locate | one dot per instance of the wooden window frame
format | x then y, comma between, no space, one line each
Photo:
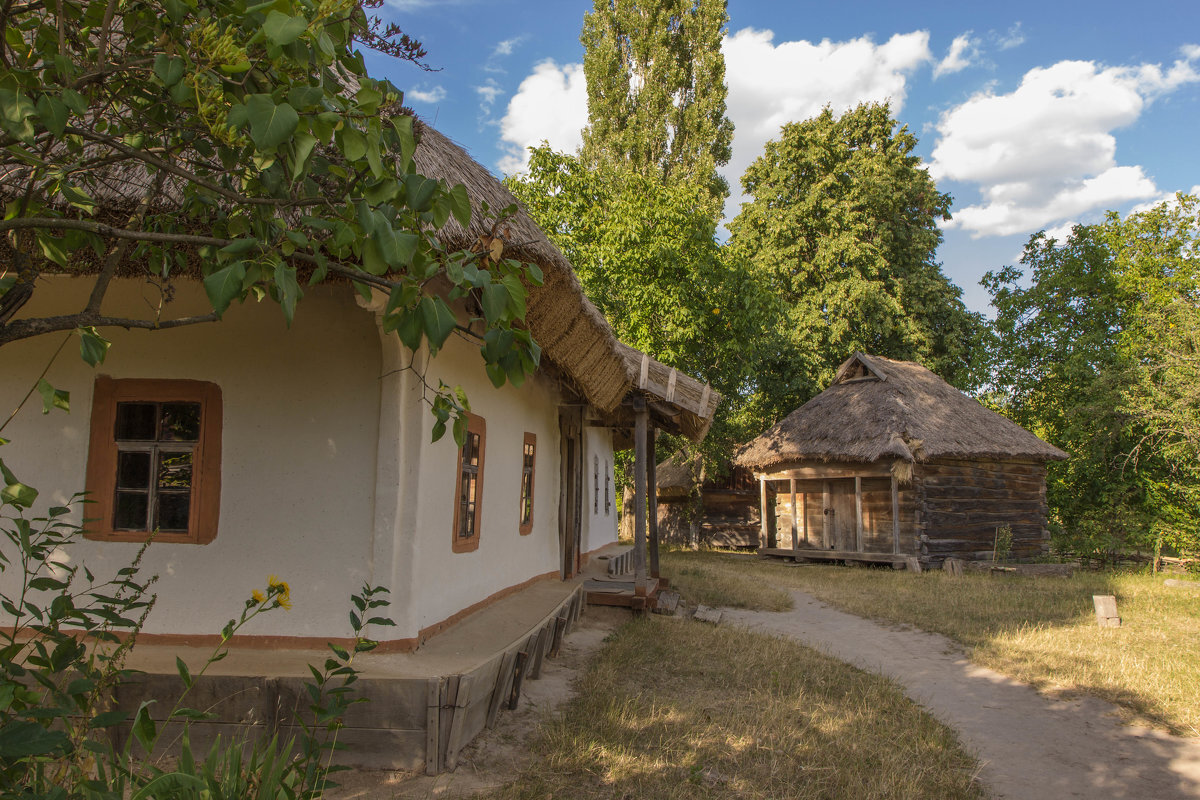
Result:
526,525
205,504
467,544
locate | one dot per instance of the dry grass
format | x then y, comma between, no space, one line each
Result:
702,579
1040,630
676,709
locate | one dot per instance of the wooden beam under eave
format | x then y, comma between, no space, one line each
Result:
895,516
858,526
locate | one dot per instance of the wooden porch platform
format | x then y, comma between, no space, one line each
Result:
815,554
424,706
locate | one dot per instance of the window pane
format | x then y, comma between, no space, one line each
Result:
180,422
175,470
173,509
471,450
133,469
131,510
136,421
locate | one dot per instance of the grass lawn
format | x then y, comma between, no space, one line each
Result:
675,709
1040,630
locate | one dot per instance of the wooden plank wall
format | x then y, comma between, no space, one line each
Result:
963,502
728,518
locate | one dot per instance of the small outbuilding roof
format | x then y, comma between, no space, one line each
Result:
878,408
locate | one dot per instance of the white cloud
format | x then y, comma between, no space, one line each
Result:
506,47
1013,37
962,53
434,95
1045,152
771,84
489,92
550,105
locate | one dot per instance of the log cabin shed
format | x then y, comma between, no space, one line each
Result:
892,462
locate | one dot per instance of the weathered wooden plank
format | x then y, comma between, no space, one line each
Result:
560,629
433,714
820,472
514,695
829,555
458,721
504,680
1106,610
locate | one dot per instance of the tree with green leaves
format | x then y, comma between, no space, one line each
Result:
241,144
1095,350
656,91
841,230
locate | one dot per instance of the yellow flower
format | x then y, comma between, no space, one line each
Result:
281,591
257,596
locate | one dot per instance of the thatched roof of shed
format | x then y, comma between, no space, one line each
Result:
878,408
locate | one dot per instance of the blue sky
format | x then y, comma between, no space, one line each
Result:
1032,115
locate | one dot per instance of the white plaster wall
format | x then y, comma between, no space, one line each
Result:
300,434
444,582
599,525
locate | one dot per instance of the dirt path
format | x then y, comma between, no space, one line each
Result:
1031,746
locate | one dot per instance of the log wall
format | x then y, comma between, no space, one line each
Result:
727,519
962,503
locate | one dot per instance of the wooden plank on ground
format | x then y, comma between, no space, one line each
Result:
560,629
433,711
539,652
504,679
462,701
514,695
707,614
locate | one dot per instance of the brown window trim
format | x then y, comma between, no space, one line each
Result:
530,440
102,456
460,544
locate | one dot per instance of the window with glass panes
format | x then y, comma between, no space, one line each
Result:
154,460
528,453
469,488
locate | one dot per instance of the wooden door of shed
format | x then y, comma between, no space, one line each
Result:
840,520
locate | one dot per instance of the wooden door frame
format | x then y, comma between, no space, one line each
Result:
570,494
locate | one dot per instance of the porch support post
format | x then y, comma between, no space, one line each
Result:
858,513
652,496
762,522
804,516
795,527
895,516
639,494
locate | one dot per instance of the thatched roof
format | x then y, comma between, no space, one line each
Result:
570,329
878,408
678,401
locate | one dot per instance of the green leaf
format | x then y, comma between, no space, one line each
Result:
281,29
409,328
185,674
92,346
354,144
419,190
224,285
494,298
53,398
169,69
289,291
107,719
144,729
460,205
495,374
14,492
303,144
21,739
53,113
270,125
437,320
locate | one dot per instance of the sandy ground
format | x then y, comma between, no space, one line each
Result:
497,755
1031,746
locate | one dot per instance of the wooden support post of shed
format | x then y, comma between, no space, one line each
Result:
640,426
895,516
858,513
795,527
762,496
652,495
804,516
825,515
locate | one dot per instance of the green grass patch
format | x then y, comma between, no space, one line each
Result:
1041,630
704,580
674,709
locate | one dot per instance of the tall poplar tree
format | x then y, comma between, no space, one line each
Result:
656,91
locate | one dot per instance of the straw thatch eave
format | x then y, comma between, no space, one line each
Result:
573,334
677,402
880,409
